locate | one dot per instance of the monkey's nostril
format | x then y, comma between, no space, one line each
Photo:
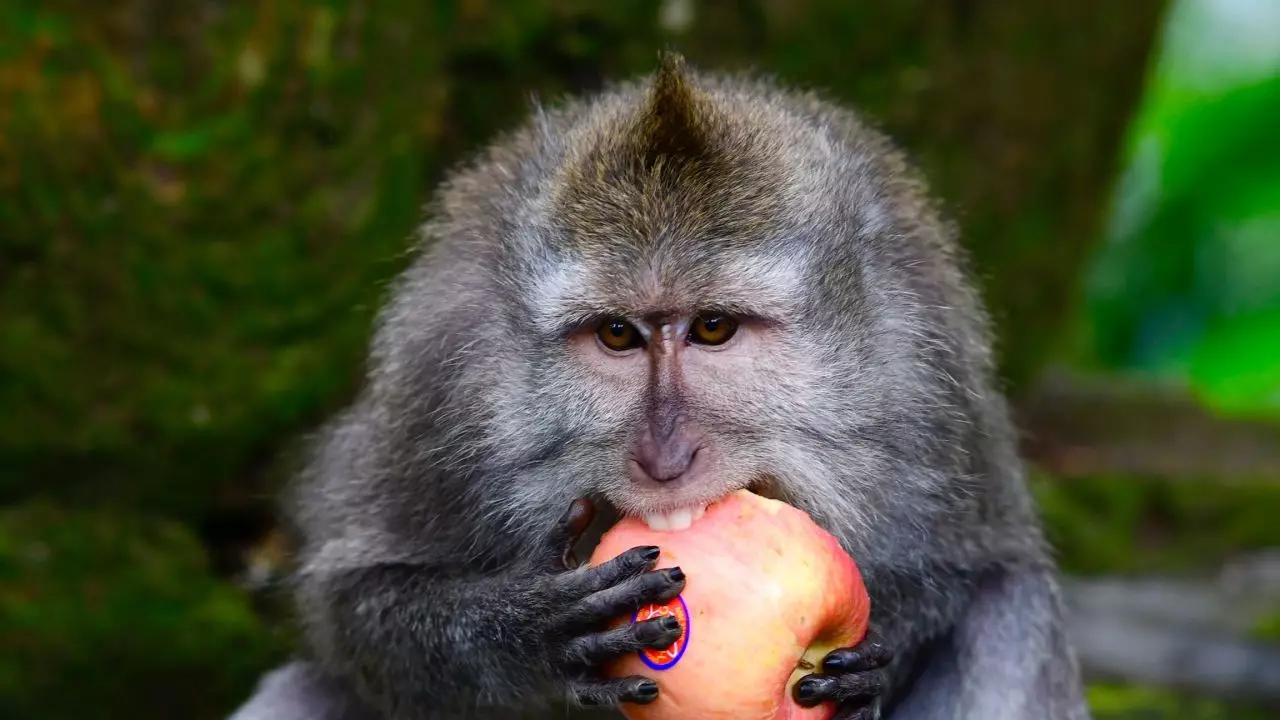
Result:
667,462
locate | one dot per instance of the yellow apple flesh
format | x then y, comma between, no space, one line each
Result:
768,593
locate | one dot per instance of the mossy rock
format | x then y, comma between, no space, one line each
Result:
117,616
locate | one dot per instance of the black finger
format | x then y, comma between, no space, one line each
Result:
867,655
632,594
814,689
565,533
844,688
624,566
609,693
596,648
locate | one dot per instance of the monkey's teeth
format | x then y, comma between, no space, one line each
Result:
657,521
679,519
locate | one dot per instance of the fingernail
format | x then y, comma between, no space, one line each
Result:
651,553
834,663
808,689
647,690
670,623
675,574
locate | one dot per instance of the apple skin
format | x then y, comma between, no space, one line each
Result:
766,591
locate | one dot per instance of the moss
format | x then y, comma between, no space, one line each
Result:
114,611
1124,702
215,205
1135,525
1268,627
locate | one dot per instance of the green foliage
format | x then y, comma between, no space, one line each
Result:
189,254
1122,702
1187,286
1269,627
1234,366
110,610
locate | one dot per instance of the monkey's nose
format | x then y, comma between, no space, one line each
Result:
668,458
668,463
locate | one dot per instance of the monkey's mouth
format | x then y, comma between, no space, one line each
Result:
675,519
678,519
682,518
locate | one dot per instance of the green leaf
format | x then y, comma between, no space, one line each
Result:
1186,286
1236,367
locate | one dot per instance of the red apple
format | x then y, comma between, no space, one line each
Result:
768,593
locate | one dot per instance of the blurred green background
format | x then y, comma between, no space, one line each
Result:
201,203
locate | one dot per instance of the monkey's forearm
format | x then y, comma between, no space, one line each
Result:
1007,657
411,637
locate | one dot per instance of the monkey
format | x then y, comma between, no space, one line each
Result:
637,301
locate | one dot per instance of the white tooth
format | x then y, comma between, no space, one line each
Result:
657,521
699,511
680,519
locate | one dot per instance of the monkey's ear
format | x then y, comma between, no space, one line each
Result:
674,123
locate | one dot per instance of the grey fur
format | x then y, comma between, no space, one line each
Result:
878,413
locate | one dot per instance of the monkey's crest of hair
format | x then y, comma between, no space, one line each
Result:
674,123
678,157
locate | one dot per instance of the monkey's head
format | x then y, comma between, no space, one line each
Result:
701,287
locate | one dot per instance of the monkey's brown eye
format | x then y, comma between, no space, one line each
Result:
712,330
618,335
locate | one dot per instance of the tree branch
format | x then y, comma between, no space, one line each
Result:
1075,427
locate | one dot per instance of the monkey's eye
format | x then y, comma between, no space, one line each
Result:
712,330
618,334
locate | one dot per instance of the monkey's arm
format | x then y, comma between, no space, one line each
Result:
1006,657
419,639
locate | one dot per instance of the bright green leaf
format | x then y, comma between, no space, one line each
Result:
1236,368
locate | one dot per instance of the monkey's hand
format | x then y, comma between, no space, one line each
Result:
852,677
584,601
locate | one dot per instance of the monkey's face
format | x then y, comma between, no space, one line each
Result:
678,382
693,283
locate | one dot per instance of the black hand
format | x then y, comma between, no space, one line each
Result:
584,601
852,677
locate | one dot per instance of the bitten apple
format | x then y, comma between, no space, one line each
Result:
768,593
